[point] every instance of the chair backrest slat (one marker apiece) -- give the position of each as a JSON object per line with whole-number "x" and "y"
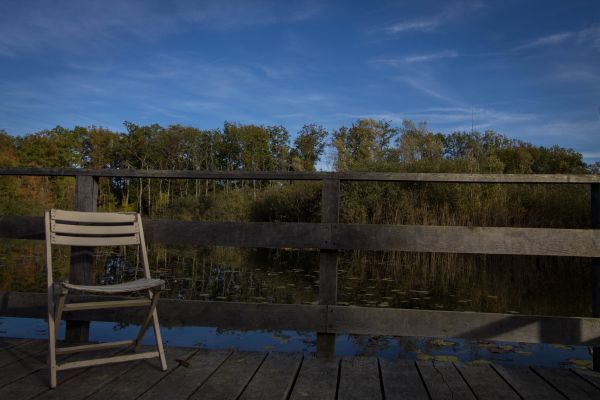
{"x": 76, "y": 228}
{"x": 93, "y": 217}
{"x": 94, "y": 240}
{"x": 97, "y": 230}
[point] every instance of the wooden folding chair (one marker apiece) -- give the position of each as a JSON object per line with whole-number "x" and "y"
{"x": 73, "y": 228}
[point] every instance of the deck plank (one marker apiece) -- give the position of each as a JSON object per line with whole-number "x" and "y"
{"x": 146, "y": 374}
{"x": 592, "y": 377}
{"x": 359, "y": 379}
{"x": 274, "y": 380}
{"x": 443, "y": 381}
{"x": 182, "y": 382}
{"x": 24, "y": 350}
{"x": 88, "y": 382}
{"x": 254, "y": 375}
{"x": 7, "y": 342}
{"x": 30, "y": 359}
{"x": 485, "y": 382}
{"x": 229, "y": 381}
{"x": 31, "y": 385}
{"x": 317, "y": 379}
{"x": 401, "y": 380}
{"x": 527, "y": 383}
{"x": 36, "y": 382}
{"x": 566, "y": 382}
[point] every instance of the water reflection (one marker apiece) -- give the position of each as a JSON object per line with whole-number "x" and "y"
{"x": 412, "y": 348}
{"x": 286, "y": 276}
{"x": 290, "y": 276}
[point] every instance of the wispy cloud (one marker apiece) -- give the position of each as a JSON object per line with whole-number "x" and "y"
{"x": 416, "y": 58}
{"x": 425, "y": 84}
{"x": 169, "y": 87}
{"x": 590, "y": 35}
{"x": 408, "y": 70}
{"x": 549, "y": 40}
{"x": 453, "y": 12}
{"x": 430, "y": 57}
{"x": 77, "y": 26}
{"x": 420, "y": 25}
{"x": 578, "y": 73}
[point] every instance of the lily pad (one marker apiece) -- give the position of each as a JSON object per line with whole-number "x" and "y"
{"x": 524, "y": 353}
{"x": 501, "y": 349}
{"x": 561, "y": 347}
{"x": 445, "y": 358}
{"x": 479, "y": 362}
{"x": 581, "y": 363}
{"x": 442, "y": 343}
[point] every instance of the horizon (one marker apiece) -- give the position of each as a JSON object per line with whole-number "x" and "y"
{"x": 530, "y": 73}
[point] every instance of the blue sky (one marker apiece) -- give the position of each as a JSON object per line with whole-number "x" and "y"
{"x": 528, "y": 69}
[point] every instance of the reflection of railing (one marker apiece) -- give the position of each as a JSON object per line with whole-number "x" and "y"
{"x": 329, "y": 236}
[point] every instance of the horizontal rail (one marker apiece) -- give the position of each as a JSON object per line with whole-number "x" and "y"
{"x": 173, "y": 312}
{"x": 468, "y": 240}
{"x": 309, "y": 176}
{"x": 336, "y": 319}
{"x": 419, "y": 238}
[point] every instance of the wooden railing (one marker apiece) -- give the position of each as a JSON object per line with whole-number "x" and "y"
{"x": 330, "y": 236}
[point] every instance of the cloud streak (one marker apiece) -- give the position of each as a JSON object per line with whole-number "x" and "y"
{"x": 418, "y": 25}
{"x": 549, "y": 40}
{"x": 451, "y": 13}
{"x": 590, "y": 35}
{"x": 83, "y": 25}
{"x": 416, "y": 58}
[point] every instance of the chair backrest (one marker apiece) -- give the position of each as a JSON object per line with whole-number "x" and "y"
{"x": 93, "y": 229}
{"x": 76, "y": 228}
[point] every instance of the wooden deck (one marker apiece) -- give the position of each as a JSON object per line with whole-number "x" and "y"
{"x": 223, "y": 374}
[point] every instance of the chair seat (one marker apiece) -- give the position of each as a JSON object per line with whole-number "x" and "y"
{"x": 127, "y": 287}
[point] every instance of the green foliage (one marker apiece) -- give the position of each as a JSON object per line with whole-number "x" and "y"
{"x": 308, "y": 147}
{"x": 363, "y": 146}
{"x": 297, "y": 202}
{"x": 367, "y": 145}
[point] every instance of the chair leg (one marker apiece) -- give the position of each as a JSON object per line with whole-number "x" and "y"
{"x": 51, "y": 339}
{"x": 59, "y": 309}
{"x": 152, "y": 314}
{"x": 144, "y": 325}
{"x": 159, "y": 343}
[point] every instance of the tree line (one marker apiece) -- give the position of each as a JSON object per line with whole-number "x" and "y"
{"x": 366, "y": 145}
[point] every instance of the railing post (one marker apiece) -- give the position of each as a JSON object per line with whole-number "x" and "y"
{"x": 330, "y": 206}
{"x": 82, "y": 258}
{"x": 595, "y": 189}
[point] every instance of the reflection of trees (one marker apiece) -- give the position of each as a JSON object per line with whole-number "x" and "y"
{"x": 370, "y": 345}
{"x": 485, "y": 283}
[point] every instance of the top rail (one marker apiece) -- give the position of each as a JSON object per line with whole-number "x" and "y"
{"x": 309, "y": 176}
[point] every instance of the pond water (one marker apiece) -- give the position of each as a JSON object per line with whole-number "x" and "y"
{"x": 527, "y": 285}
{"x": 412, "y": 348}
{"x": 491, "y": 284}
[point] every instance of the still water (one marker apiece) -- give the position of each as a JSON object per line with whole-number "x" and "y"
{"x": 289, "y": 276}
{"x": 412, "y": 348}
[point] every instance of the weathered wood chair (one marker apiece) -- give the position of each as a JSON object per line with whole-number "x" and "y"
{"x": 73, "y": 228}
